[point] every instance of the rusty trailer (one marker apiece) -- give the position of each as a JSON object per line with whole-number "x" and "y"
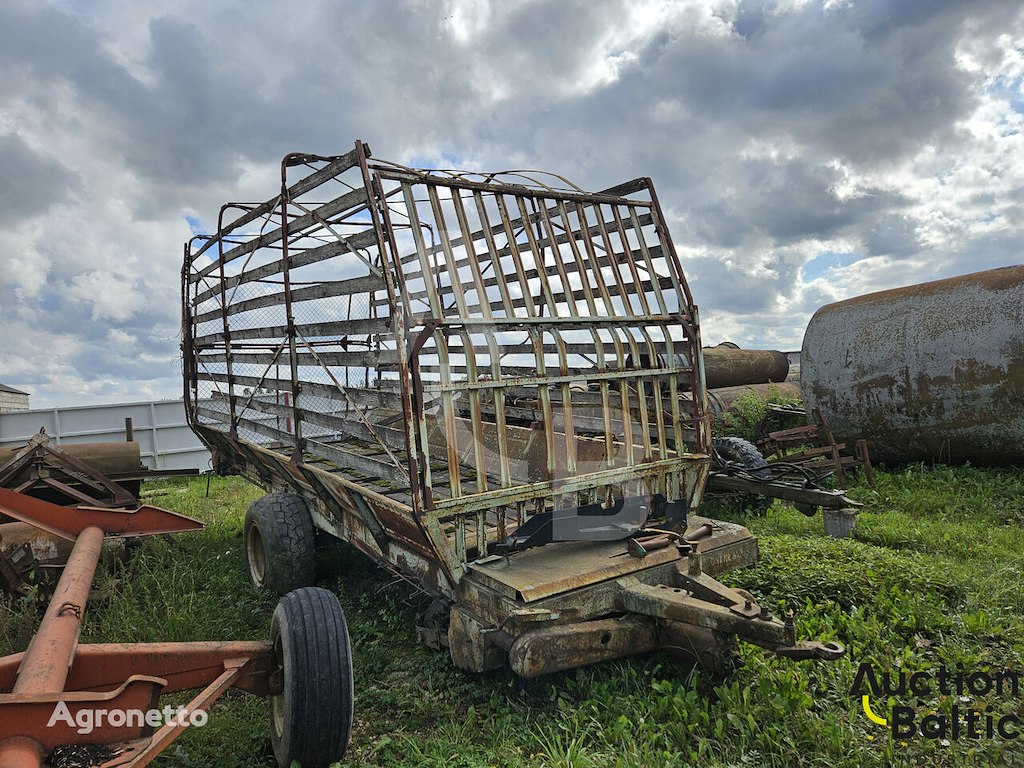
{"x": 490, "y": 384}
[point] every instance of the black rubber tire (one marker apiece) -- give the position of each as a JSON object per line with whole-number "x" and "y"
{"x": 736, "y": 450}
{"x": 280, "y": 543}
{"x": 311, "y": 718}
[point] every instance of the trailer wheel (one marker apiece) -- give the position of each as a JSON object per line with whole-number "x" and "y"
{"x": 736, "y": 450}
{"x": 280, "y": 543}
{"x": 311, "y": 716}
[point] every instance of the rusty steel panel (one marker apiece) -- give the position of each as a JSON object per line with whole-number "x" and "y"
{"x": 478, "y": 348}
{"x": 562, "y": 567}
{"x": 930, "y": 372}
{"x": 46, "y": 547}
{"x": 552, "y": 649}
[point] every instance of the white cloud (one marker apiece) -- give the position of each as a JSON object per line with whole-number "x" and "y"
{"x": 888, "y": 132}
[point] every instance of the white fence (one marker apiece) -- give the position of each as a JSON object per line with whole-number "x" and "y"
{"x": 160, "y": 429}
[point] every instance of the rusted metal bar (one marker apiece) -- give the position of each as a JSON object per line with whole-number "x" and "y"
{"x": 143, "y": 521}
{"x": 352, "y": 199}
{"x": 350, "y": 244}
{"x": 226, "y": 330}
{"x": 821, "y": 497}
{"x": 428, "y": 178}
{"x": 337, "y": 166}
{"x": 170, "y": 731}
{"x": 46, "y": 664}
{"x": 325, "y": 290}
{"x": 335, "y": 328}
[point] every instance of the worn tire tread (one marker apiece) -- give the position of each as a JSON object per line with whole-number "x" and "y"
{"x": 318, "y": 678}
{"x": 736, "y": 450}
{"x": 289, "y": 540}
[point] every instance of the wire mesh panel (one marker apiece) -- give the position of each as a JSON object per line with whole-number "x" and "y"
{"x": 489, "y": 350}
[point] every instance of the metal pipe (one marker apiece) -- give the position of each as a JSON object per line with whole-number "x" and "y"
{"x": 20, "y": 752}
{"x": 48, "y": 659}
{"x": 729, "y": 367}
{"x": 722, "y": 399}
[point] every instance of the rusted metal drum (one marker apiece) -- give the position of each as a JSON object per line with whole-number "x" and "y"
{"x": 930, "y": 372}
{"x": 109, "y": 458}
{"x": 727, "y": 366}
{"x": 722, "y": 399}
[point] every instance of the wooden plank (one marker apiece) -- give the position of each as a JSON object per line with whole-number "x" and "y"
{"x": 361, "y": 395}
{"x": 808, "y": 432}
{"x": 360, "y": 360}
{"x": 481, "y": 356}
{"x": 361, "y": 327}
{"x": 347, "y": 424}
{"x": 367, "y": 465}
{"x": 812, "y": 453}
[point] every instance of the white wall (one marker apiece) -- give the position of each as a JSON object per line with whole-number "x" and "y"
{"x": 160, "y": 429}
{"x": 12, "y": 402}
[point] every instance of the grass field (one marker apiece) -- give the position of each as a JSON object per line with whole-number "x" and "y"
{"x": 932, "y": 576}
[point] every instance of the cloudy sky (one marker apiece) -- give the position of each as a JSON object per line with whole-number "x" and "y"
{"x": 804, "y": 151}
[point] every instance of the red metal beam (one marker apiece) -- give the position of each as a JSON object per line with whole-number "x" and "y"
{"x": 70, "y": 522}
{"x": 37, "y": 713}
{"x": 185, "y": 666}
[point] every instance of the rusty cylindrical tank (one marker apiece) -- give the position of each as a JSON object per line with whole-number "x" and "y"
{"x": 722, "y": 399}
{"x": 109, "y": 458}
{"x": 930, "y": 372}
{"x": 727, "y": 366}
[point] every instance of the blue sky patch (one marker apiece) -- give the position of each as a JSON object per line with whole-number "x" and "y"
{"x": 825, "y": 261}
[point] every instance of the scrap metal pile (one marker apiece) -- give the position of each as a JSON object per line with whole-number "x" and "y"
{"x": 101, "y": 475}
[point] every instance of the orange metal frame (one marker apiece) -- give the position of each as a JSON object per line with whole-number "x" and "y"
{"x": 55, "y": 669}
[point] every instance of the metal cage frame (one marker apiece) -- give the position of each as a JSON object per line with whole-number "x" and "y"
{"x": 439, "y": 357}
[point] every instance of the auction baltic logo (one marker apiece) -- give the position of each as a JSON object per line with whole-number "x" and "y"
{"x": 86, "y": 720}
{"x": 962, "y": 686}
